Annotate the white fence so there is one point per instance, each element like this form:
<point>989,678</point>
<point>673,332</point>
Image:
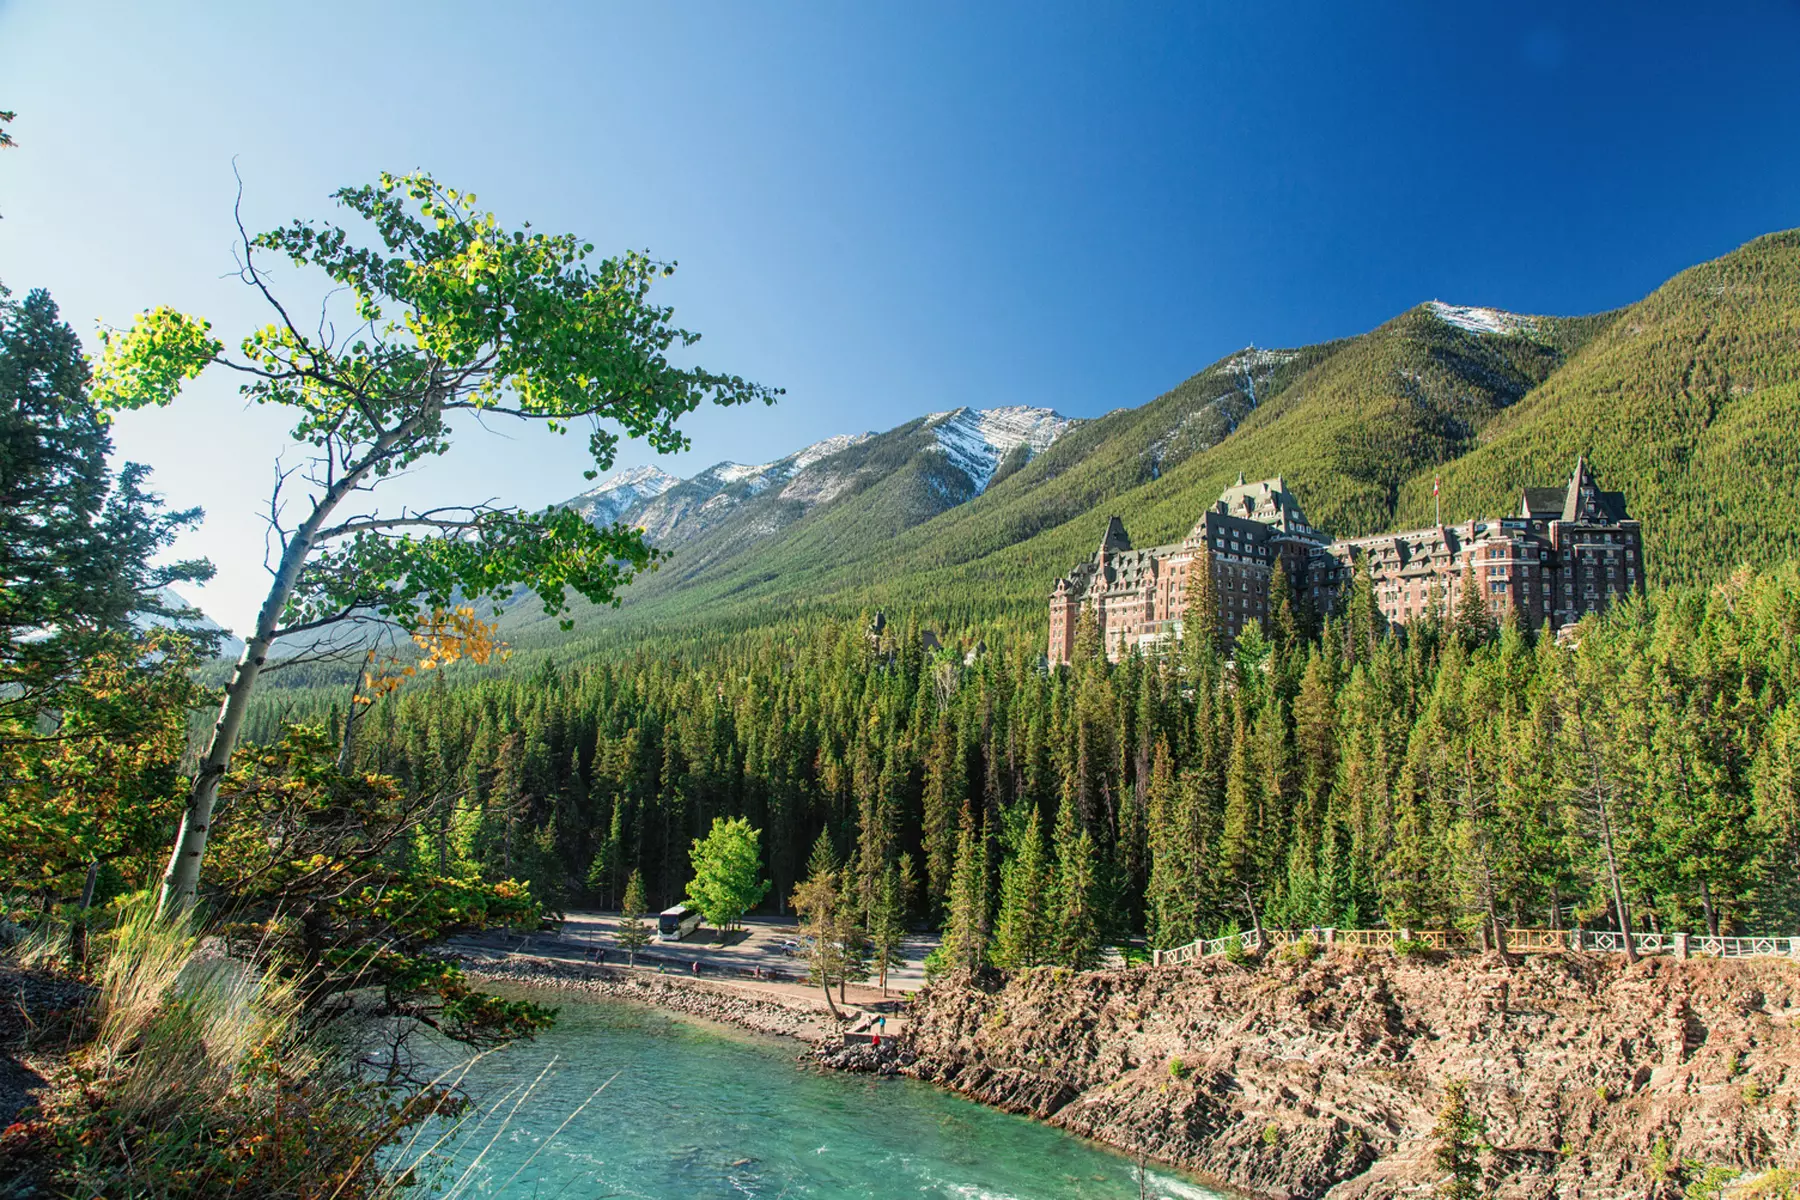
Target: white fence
<point>1518,941</point>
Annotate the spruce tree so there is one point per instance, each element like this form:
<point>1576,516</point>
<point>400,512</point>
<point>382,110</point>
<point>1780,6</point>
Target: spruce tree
<point>1200,621</point>
<point>1458,1134</point>
<point>850,933</point>
<point>944,794</point>
<point>966,931</point>
<point>1023,932</point>
<point>887,924</point>
<point>1166,923</point>
<point>633,932</point>
<point>1474,624</point>
<point>1241,840</point>
<point>1078,889</point>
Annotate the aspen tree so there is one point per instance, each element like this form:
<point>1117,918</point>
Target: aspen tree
<point>448,313</point>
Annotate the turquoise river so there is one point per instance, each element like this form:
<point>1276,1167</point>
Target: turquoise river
<point>655,1106</point>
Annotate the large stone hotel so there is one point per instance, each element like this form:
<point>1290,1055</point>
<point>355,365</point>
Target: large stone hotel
<point>1566,552</point>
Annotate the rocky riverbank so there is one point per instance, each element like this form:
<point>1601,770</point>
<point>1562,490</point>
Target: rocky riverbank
<point>1324,1077</point>
<point>759,1013</point>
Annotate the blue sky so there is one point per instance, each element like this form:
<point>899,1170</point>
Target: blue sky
<point>899,208</point>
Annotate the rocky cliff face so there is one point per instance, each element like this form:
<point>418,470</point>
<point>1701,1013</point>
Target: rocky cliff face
<point>1323,1077</point>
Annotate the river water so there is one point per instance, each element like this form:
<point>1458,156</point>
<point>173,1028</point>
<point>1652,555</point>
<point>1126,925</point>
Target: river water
<point>677,1109</point>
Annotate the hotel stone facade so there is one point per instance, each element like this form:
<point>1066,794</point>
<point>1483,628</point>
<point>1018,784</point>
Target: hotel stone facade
<point>1566,552</point>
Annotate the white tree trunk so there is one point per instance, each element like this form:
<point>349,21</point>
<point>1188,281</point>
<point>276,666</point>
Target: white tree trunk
<point>181,881</point>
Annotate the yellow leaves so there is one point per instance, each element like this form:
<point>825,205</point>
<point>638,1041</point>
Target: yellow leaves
<point>446,637</point>
<point>458,634</point>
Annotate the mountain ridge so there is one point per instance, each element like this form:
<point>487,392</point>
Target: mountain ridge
<point>1684,399</point>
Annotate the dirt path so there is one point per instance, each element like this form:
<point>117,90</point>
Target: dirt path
<point>759,960</point>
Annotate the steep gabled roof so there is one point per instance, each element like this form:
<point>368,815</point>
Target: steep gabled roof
<point>1541,502</point>
<point>1116,538</point>
<point>1584,501</point>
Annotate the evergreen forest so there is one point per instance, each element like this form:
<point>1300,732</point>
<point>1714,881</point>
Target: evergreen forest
<point>1451,775</point>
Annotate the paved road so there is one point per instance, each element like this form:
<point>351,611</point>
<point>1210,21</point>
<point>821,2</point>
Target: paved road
<point>757,945</point>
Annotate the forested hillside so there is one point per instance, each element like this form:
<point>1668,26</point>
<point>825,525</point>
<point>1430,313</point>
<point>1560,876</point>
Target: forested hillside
<point>1683,400</point>
<point>1688,401</point>
<point>1456,776</point>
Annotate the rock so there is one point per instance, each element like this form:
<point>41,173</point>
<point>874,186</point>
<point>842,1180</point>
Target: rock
<point>889,1058</point>
<point>1323,1078</point>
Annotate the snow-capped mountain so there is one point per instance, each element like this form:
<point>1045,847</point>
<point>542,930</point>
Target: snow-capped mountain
<point>954,456</point>
<point>617,494</point>
<point>1481,320</point>
<point>977,440</point>
<point>672,510</point>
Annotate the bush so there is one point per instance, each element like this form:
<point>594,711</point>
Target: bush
<point>1271,1134</point>
<point>1707,1182</point>
<point>1178,1069</point>
<point>1660,1154</point>
<point>1414,948</point>
<point>197,1079</point>
<point>1302,951</point>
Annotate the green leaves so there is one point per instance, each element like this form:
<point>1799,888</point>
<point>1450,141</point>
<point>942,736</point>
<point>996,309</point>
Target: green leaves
<point>456,313</point>
<point>489,555</point>
<point>147,364</point>
<point>512,320</point>
<point>726,865</point>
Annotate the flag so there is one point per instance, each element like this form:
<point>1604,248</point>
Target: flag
<point>1434,485</point>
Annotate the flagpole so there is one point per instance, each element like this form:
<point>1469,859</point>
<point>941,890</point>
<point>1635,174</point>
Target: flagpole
<point>1437,508</point>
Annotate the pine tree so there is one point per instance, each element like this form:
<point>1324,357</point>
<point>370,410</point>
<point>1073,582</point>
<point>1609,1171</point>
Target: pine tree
<point>1077,935</point>
<point>819,902</point>
<point>633,932</point>
<point>1241,839</point>
<point>966,931</point>
<point>1459,1134</point>
<point>1023,934</point>
<point>1474,624</point>
<point>887,924</point>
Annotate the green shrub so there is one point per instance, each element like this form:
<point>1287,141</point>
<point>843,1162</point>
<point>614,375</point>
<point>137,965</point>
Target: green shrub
<point>1707,1182</point>
<point>1178,1069</point>
<point>1302,951</point>
<point>1271,1134</point>
<point>1659,1160</point>
<point>1414,948</point>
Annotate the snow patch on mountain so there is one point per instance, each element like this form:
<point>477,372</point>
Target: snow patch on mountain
<point>976,440</point>
<point>617,494</point>
<point>1481,320</point>
<point>825,449</point>
<point>1253,359</point>
<point>764,475</point>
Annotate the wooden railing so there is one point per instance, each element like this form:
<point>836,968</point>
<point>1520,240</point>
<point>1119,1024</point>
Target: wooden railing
<point>1518,941</point>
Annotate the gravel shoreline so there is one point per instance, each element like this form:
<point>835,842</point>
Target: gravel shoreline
<point>695,997</point>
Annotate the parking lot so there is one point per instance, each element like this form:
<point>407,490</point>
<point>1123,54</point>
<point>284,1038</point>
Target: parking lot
<point>771,944</point>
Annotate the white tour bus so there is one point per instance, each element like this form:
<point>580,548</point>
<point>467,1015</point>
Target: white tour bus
<point>676,923</point>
